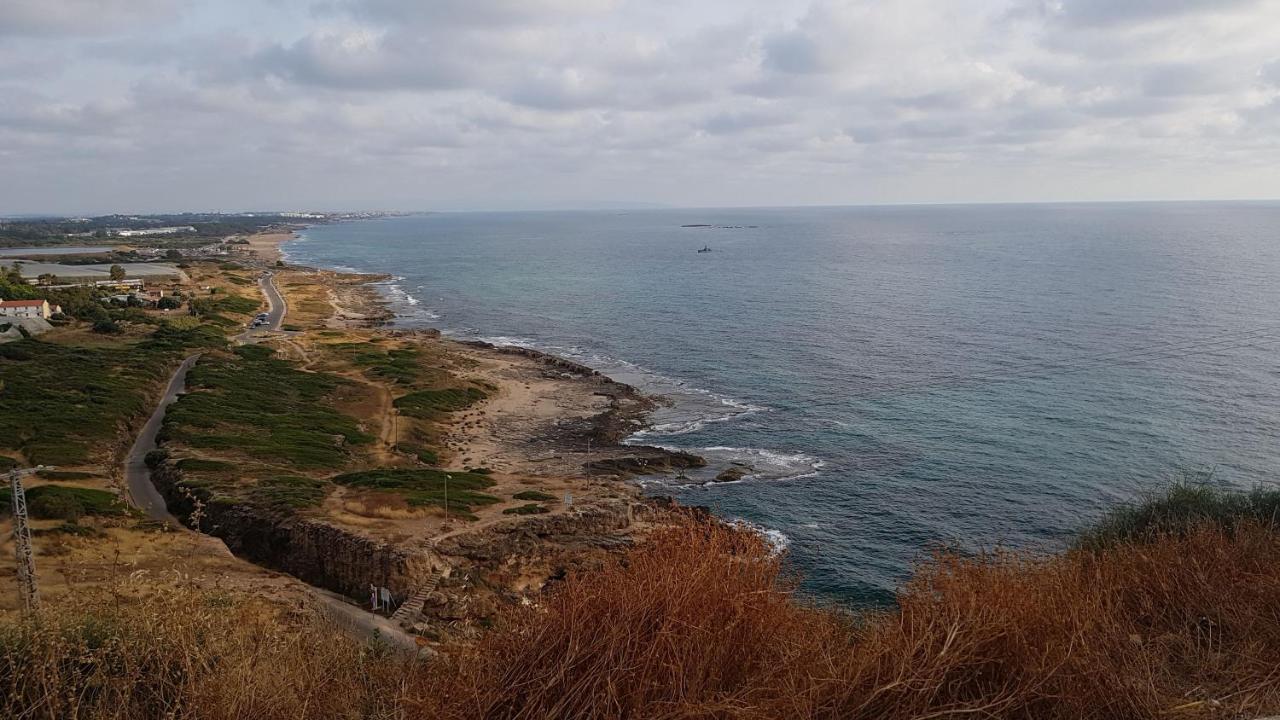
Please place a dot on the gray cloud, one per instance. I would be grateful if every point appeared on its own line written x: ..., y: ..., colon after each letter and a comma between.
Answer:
x: 1127, y: 12
x: 63, y: 17
x: 155, y: 104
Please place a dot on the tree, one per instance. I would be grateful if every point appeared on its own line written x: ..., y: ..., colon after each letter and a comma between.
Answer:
x: 117, y: 273
x: 173, y: 254
x: 47, y: 279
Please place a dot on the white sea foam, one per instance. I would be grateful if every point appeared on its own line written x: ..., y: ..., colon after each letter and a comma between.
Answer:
x: 777, y: 539
x: 509, y: 340
x: 766, y: 464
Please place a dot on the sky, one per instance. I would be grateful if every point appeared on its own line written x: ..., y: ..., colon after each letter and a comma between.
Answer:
x: 170, y: 105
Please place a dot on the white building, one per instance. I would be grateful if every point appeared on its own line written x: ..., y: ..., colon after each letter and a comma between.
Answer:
x: 153, y: 231
x: 25, y: 309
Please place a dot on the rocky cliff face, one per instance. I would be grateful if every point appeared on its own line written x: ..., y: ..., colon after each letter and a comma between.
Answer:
x: 311, y: 550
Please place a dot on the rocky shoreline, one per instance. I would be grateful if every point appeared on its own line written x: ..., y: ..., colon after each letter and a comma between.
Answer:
x: 627, y: 413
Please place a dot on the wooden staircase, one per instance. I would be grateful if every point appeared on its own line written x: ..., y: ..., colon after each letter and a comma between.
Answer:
x: 414, y: 605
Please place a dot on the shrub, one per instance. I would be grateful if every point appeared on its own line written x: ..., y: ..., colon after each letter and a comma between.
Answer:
x: 203, y: 465
x: 535, y: 495
x: 265, y: 408
x: 424, y: 455
x: 293, y: 492
x: 427, y: 404
x: 63, y: 502
x: 701, y: 623
x: 106, y: 327
x: 61, y: 403
x: 66, y: 475
x: 528, y: 509
x: 180, y: 653
x: 425, y: 487
x: 1184, y: 506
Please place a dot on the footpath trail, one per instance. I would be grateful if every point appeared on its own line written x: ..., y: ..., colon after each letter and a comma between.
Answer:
x: 142, y: 493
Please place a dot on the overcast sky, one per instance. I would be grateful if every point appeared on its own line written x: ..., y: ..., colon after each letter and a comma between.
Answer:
x: 153, y: 105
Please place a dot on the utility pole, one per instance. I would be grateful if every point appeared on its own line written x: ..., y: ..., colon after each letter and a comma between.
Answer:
x: 22, y: 539
x: 447, y: 478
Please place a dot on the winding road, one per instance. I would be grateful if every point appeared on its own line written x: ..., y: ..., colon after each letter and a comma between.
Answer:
x: 137, y: 476
x: 276, y: 308
x: 142, y: 493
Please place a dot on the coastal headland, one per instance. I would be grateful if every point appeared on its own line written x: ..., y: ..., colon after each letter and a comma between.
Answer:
x: 338, y: 451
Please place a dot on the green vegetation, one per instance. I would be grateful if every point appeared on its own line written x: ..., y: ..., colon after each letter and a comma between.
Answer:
x: 59, y: 402
x: 66, y: 475
x: 535, y: 495
x: 63, y: 502
x: 1185, y: 506
x: 399, y: 365
x: 426, y: 487
x: 203, y: 465
x: 424, y: 455
x: 7, y: 462
x: 252, y: 403
x: 291, y: 491
x: 215, y: 306
x: 529, y: 509
x: 426, y: 404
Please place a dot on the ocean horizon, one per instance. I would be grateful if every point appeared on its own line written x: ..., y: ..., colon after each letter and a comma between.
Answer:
x: 886, y: 379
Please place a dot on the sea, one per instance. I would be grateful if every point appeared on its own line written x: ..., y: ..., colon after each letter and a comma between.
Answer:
x: 893, y: 380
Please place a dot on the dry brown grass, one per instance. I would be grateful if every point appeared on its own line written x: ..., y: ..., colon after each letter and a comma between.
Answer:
x: 698, y: 623
x: 695, y: 624
x: 182, y: 653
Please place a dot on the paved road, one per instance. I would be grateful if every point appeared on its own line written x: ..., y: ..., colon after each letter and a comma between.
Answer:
x: 142, y: 493
x: 275, y: 311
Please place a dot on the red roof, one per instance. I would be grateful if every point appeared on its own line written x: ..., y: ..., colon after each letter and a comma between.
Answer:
x: 21, y: 303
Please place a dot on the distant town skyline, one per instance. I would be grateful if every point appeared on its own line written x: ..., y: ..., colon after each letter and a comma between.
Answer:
x: 167, y: 105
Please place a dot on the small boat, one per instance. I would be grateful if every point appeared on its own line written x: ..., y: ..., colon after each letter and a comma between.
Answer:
x: 705, y: 248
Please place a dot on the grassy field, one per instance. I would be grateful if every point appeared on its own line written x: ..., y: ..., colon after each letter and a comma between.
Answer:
x: 427, y: 404
x: 61, y: 404
x: 64, y: 502
x: 253, y: 404
x: 426, y: 487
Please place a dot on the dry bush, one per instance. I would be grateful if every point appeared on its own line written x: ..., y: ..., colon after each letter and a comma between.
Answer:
x: 699, y: 623
x: 696, y: 624
x: 384, y: 505
x: 187, y: 654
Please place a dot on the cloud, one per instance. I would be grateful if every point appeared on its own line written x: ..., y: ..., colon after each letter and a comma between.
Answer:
x: 364, y: 60
x: 1128, y: 12
x: 70, y: 17
x: 114, y: 104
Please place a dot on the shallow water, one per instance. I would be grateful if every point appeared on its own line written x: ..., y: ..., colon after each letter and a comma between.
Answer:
x: 896, y: 377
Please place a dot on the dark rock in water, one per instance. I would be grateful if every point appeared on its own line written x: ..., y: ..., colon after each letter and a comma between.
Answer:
x: 643, y: 460
x: 734, y: 473
x: 696, y: 225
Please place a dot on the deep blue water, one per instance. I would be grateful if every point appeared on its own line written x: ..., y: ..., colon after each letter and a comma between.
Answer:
x: 898, y: 377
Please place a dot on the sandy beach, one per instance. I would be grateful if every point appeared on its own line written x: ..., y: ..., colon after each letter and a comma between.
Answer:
x: 267, y: 245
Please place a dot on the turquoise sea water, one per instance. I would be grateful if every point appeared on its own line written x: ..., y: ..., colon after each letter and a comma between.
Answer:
x: 898, y: 378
